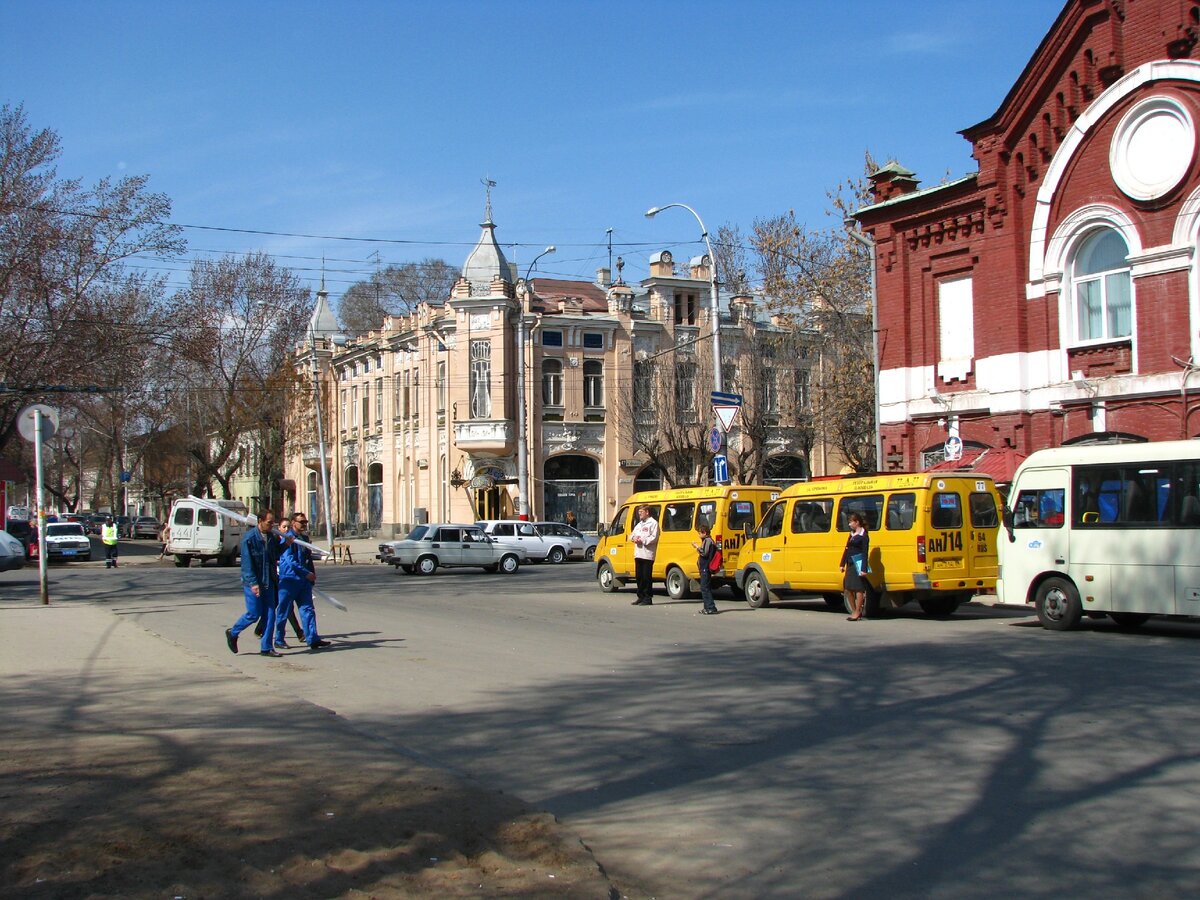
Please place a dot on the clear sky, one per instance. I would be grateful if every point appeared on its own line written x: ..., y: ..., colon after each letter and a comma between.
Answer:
x: 378, y: 120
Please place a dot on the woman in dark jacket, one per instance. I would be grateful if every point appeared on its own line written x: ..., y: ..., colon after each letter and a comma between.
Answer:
x: 854, y: 564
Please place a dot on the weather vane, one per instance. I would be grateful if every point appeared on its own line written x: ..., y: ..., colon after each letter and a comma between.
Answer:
x: 488, y: 184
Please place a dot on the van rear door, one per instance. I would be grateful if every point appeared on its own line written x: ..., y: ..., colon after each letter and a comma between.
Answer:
x: 983, y: 551
x: 946, y: 540
x: 208, y: 531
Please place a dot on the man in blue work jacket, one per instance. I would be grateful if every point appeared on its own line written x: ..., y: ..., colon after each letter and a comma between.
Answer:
x: 297, y: 575
x: 261, y: 549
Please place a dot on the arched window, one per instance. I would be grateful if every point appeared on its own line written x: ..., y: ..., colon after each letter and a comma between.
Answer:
x: 374, y: 496
x: 481, y: 379
x: 1100, y: 287
x: 571, y: 484
x: 593, y: 383
x: 552, y: 382
x: 649, y: 479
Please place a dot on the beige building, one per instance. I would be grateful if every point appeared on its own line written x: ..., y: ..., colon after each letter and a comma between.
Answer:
x: 422, y: 419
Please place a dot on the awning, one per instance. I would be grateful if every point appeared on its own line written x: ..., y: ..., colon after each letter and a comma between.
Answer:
x: 999, y: 462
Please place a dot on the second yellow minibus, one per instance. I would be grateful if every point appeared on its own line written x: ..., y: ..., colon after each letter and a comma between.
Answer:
x: 933, y: 539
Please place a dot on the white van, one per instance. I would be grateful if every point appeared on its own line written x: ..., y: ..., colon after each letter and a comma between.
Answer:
x: 201, y: 533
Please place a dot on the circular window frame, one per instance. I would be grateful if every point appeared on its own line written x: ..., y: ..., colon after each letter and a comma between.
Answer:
x: 1123, y: 169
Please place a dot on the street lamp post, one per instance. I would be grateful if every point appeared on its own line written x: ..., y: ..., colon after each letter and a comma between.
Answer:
x: 522, y: 442
x: 715, y: 301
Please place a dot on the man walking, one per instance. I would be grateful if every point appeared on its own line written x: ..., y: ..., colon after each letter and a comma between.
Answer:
x: 645, y: 542
x: 260, y: 582
x: 297, y: 575
x: 108, y: 534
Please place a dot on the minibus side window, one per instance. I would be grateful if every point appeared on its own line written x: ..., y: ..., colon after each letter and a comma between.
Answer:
x: 812, y: 516
x: 678, y: 517
x: 1189, y: 505
x: 1039, y: 508
x: 183, y: 515
x: 772, y: 523
x: 207, y: 517
x: 741, y: 512
x: 707, y: 511
x: 901, y: 512
x: 1138, y: 494
x: 983, y: 510
x: 947, y: 510
x: 618, y: 522
x: 869, y: 506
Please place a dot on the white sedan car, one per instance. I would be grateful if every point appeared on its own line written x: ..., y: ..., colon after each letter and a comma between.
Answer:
x: 67, y: 541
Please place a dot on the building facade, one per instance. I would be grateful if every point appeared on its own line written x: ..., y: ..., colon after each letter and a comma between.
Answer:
x: 1052, y: 296
x: 424, y: 420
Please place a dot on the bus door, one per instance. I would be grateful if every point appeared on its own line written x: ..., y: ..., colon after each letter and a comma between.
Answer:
x: 814, y: 549
x: 617, y: 548
x: 983, y: 532
x: 768, y: 546
x: 1040, y: 540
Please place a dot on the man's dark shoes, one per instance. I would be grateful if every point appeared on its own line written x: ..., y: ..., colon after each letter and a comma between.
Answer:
x: 259, y: 628
x: 269, y: 653
x: 231, y: 640
x: 642, y: 603
x: 709, y: 612
x: 317, y: 645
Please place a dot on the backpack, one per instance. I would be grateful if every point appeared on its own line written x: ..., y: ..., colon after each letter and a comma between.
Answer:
x: 714, y: 564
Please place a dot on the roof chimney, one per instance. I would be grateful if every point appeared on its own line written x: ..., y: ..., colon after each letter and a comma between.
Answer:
x: 892, y: 180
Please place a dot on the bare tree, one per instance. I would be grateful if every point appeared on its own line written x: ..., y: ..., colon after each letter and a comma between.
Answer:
x: 71, y: 311
x: 240, y: 319
x: 395, y: 290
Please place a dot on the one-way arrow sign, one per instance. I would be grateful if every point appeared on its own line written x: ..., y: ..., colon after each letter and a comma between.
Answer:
x: 726, y: 407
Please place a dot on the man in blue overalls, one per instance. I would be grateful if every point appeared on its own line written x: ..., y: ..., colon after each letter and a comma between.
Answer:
x: 297, y: 575
x: 260, y: 582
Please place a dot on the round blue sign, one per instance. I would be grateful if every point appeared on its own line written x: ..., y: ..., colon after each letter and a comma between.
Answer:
x: 714, y: 439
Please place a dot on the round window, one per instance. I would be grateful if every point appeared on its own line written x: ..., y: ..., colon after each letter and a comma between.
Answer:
x: 1152, y: 149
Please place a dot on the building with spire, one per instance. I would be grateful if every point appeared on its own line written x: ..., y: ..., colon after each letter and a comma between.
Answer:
x: 421, y: 417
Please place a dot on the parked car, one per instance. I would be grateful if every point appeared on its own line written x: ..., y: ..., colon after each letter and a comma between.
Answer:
x: 523, y: 537
x: 144, y: 527
x: 83, y: 519
x: 66, y: 541
x: 429, y: 547
x: 97, y: 521
x: 582, y: 546
x: 12, y: 552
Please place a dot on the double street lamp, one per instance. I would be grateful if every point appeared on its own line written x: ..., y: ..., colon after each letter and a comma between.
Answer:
x: 522, y: 442
x: 315, y: 332
x: 712, y: 279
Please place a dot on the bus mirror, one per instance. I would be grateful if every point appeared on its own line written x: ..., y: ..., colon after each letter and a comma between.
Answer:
x: 1008, y: 524
x: 747, y: 529
x: 601, y: 531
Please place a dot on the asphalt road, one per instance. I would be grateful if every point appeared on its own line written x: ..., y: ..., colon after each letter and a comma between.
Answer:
x: 780, y: 752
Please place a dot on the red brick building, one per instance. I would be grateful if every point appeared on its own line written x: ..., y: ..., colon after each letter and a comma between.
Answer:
x: 1053, y: 297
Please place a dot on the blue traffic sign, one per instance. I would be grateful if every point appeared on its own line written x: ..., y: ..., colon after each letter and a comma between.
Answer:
x: 714, y: 440
x: 720, y: 469
x: 720, y: 398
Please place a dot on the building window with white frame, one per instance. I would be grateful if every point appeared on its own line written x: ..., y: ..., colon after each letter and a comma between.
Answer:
x: 345, y: 412
x: 552, y: 382
x: 441, y: 388
x: 378, y: 401
x: 1100, y: 287
x: 956, y: 327
x: 593, y: 383
x: 481, y: 379
x: 416, y: 396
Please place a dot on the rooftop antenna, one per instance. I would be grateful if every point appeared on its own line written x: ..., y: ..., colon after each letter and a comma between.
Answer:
x: 609, y: 233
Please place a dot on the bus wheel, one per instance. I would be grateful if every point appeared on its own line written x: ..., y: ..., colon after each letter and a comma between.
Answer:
x: 678, y: 585
x: 607, y: 578
x: 938, y: 606
x: 1057, y: 603
x: 182, y: 561
x: 1129, y: 620
x: 758, y: 594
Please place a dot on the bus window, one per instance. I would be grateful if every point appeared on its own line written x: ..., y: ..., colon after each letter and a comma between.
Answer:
x: 678, y: 517
x: 1039, y: 508
x: 707, y: 512
x: 741, y: 512
x: 947, y: 510
x: 1189, y: 492
x: 618, y: 522
x: 183, y: 515
x: 812, y: 516
x: 772, y: 523
x: 1130, y: 495
x: 983, y: 511
x: 901, y: 511
x: 869, y: 506
x: 206, y: 517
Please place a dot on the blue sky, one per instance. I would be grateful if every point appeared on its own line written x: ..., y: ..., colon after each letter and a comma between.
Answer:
x: 378, y: 120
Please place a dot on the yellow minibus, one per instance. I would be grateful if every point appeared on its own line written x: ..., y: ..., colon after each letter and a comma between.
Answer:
x: 729, y: 509
x: 933, y: 539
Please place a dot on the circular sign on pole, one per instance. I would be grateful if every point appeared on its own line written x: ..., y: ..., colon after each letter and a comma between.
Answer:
x: 714, y: 440
x: 953, y: 448
x: 25, y: 422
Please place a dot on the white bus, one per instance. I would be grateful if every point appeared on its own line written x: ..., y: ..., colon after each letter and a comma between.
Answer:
x: 1104, y: 530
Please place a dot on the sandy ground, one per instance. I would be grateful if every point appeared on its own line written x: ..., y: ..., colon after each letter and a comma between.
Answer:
x: 132, y: 768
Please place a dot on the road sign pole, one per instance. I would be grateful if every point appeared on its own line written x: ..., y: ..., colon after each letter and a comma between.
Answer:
x: 43, y: 574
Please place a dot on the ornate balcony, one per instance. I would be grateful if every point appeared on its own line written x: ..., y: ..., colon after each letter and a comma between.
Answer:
x: 496, y: 436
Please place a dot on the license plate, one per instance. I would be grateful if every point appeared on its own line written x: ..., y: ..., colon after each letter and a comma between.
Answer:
x: 69, y: 552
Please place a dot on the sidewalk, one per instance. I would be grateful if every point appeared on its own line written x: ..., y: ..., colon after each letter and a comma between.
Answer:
x: 135, y: 768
